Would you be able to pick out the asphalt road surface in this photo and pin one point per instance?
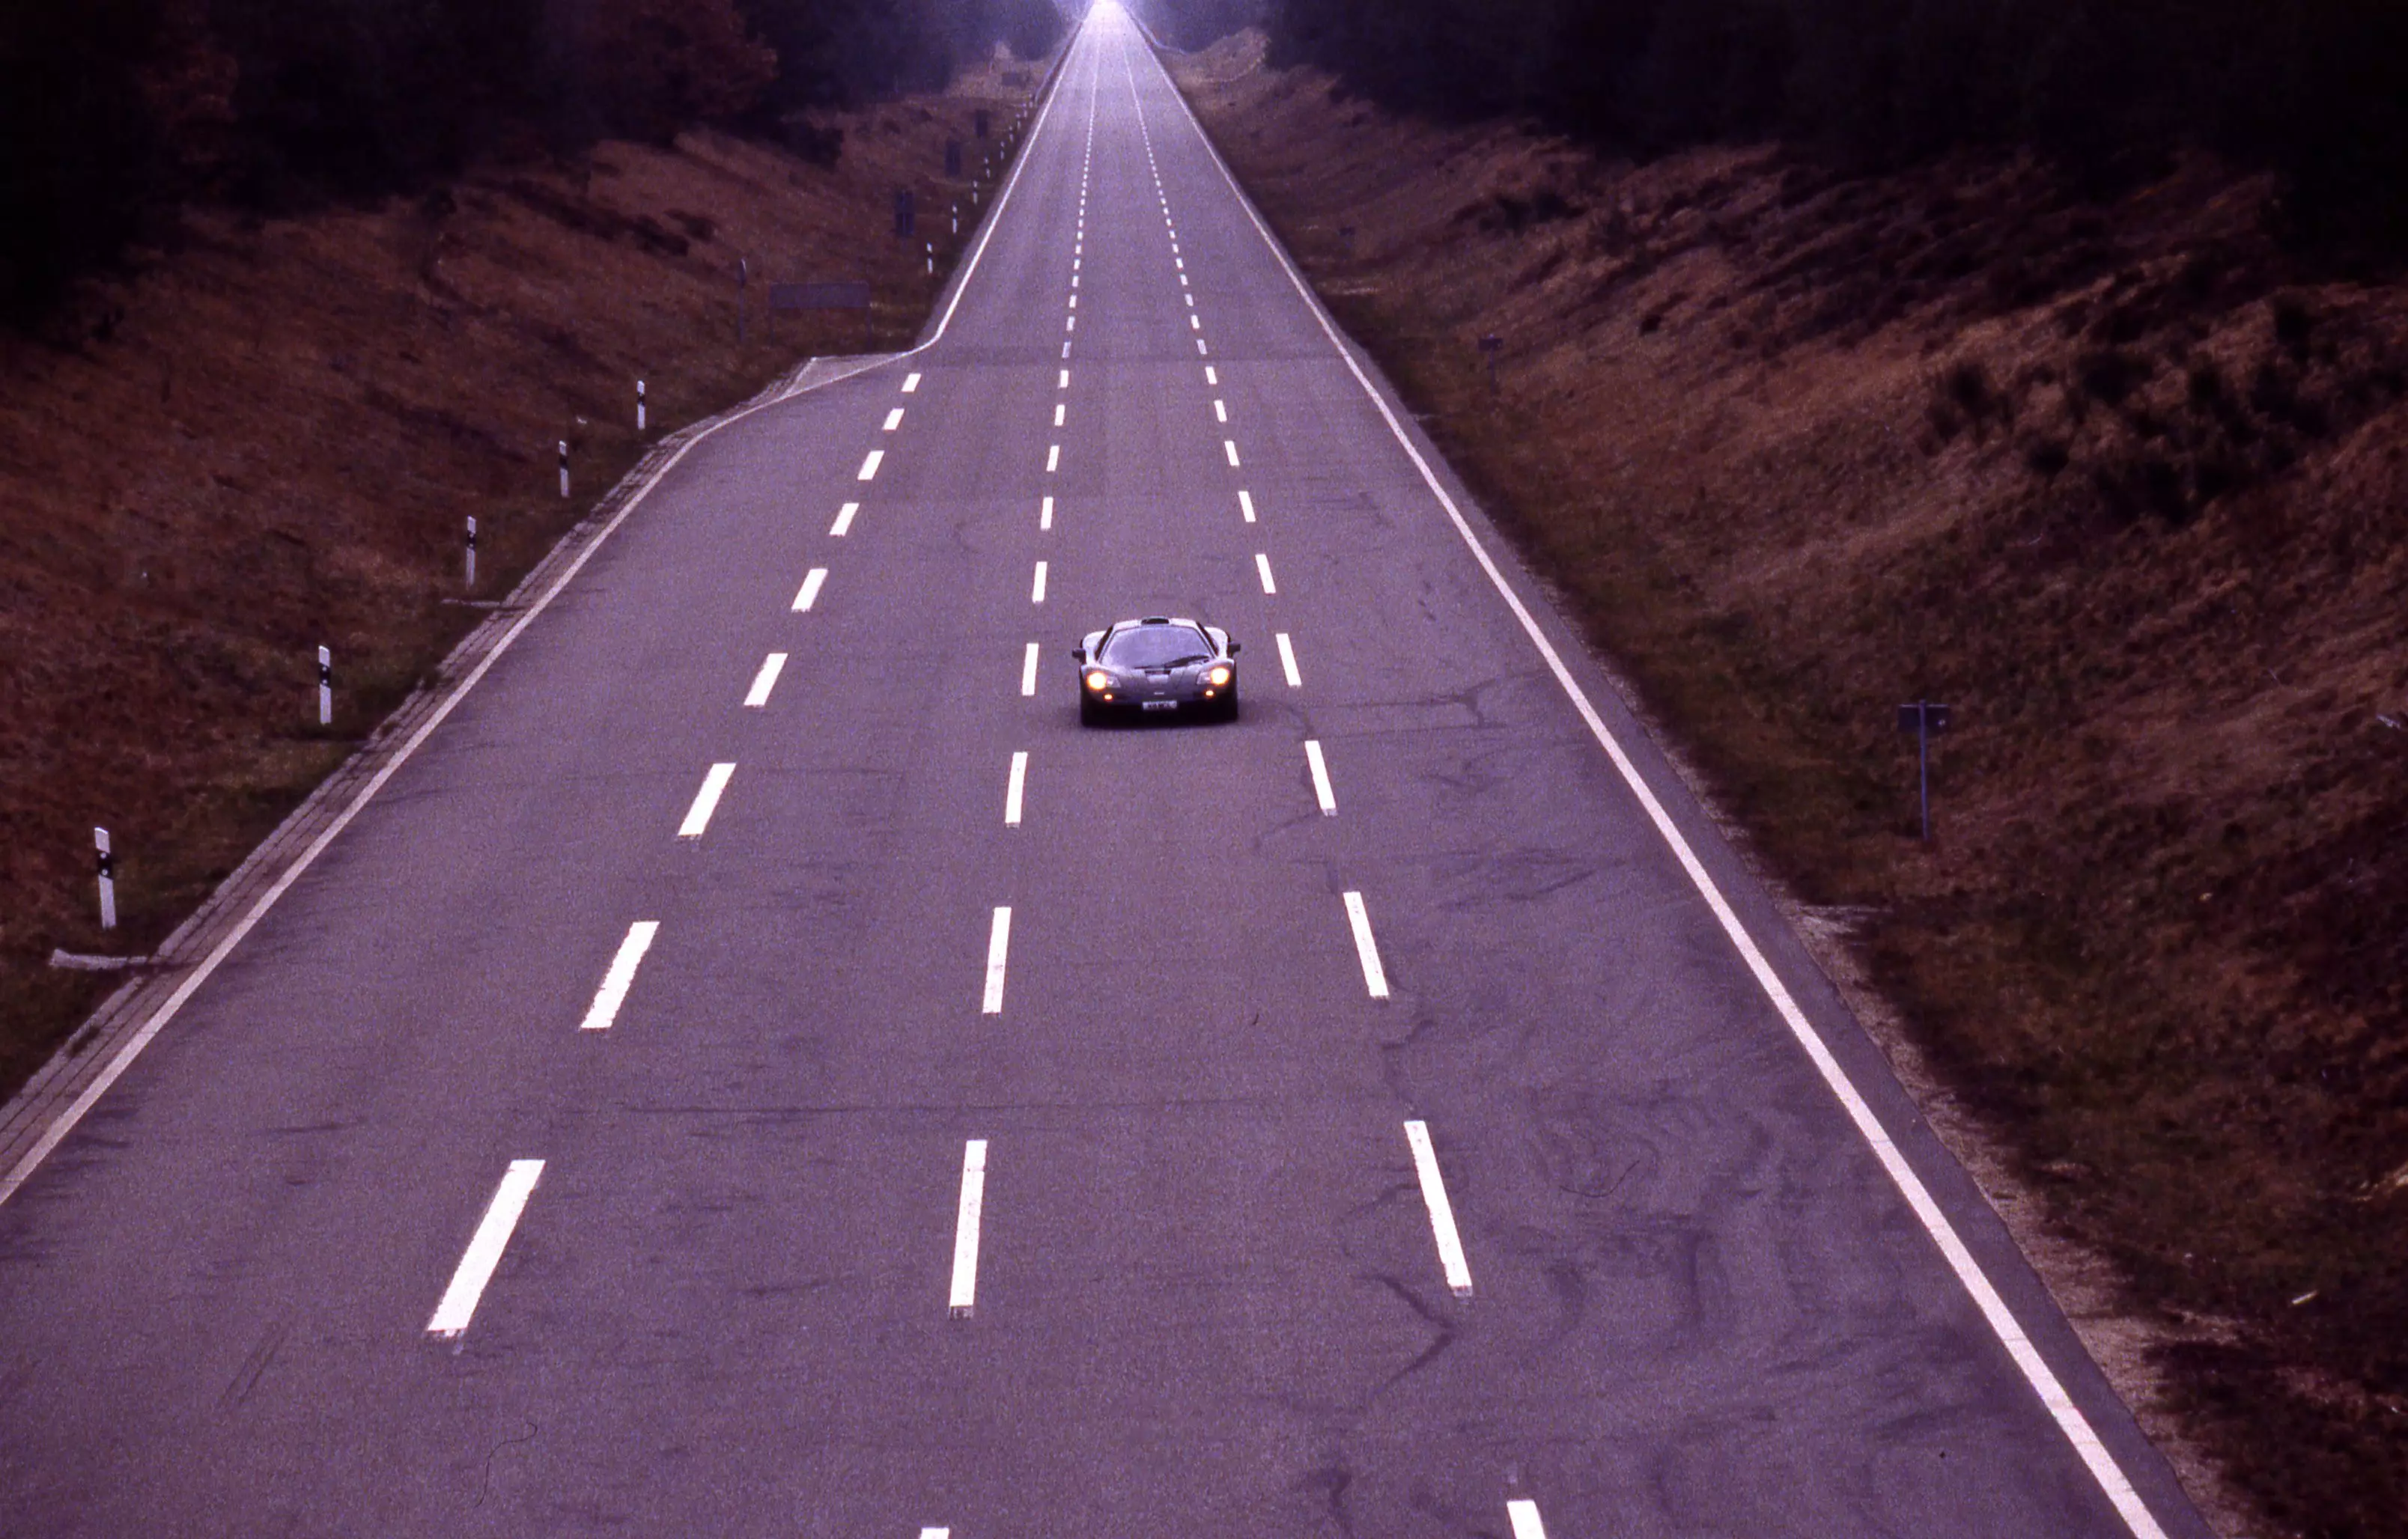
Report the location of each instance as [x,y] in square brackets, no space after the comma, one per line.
[761,1067]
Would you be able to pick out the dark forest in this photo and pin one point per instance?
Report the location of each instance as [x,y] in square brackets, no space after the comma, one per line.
[2315,90]
[115,112]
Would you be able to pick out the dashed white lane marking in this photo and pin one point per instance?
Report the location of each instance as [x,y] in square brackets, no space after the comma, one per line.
[706,801]
[843,519]
[1069,322]
[1220,411]
[1246,504]
[998,944]
[1194,325]
[1011,790]
[1037,585]
[1074,283]
[1321,791]
[894,421]
[1211,376]
[809,592]
[1045,514]
[1375,977]
[1180,262]
[1287,663]
[1442,1216]
[620,977]
[869,466]
[1060,410]
[1065,350]
[1229,447]
[911,384]
[964,1298]
[1190,299]
[766,679]
[1523,1514]
[1263,567]
[1074,302]
[935,1533]
[2070,1419]
[1066,380]
[1028,670]
[484,1252]
[1201,351]
[1053,458]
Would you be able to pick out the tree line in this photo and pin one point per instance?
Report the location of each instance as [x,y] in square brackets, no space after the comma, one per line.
[2315,89]
[115,112]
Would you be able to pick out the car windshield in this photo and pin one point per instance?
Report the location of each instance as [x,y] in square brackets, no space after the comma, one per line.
[1156,647]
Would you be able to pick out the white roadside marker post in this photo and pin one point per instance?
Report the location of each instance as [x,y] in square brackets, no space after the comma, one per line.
[563,469]
[639,406]
[472,551]
[325,688]
[108,878]
[932,259]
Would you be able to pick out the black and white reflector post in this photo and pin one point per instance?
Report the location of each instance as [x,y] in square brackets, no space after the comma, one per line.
[563,469]
[472,550]
[325,688]
[108,878]
[639,406]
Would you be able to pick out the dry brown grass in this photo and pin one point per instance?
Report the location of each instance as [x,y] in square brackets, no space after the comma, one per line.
[2125,489]
[268,439]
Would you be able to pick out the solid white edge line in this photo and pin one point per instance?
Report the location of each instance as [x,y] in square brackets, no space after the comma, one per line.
[843,519]
[1037,585]
[2112,1482]
[963,1298]
[66,1121]
[705,802]
[1011,790]
[869,466]
[809,593]
[1442,1212]
[484,1252]
[1359,919]
[766,679]
[998,948]
[1321,791]
[1263,566]
[1246,504]
[620,977]
[1287,661]
[1523,1514]
[1028,670]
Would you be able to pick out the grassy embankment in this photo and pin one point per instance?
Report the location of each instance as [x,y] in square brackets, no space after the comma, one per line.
[2123,483]
[268,439]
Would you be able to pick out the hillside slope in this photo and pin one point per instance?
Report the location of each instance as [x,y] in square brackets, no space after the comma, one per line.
[2120,483]
[269,439]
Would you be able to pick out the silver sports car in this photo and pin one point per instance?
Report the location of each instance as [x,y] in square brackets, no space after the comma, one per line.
[1157,665]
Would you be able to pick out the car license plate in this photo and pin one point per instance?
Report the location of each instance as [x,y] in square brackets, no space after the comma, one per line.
[1161,704]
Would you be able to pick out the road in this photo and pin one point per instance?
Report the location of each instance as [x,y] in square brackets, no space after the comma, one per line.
[841,1096]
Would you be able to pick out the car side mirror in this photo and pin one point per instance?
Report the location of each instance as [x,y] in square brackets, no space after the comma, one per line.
[1235,649]
[1077,654]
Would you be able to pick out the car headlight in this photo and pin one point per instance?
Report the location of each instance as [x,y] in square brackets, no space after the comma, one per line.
[1098,681]
[1218,677]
